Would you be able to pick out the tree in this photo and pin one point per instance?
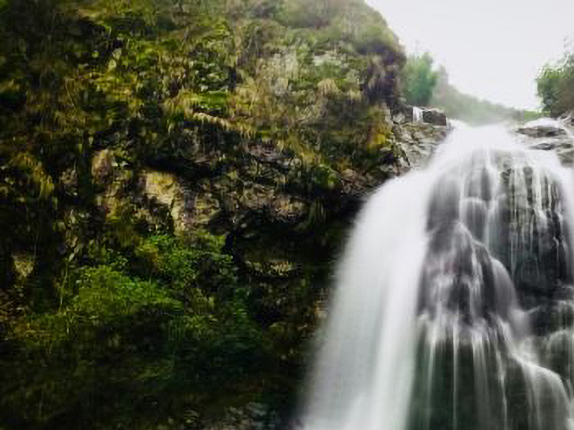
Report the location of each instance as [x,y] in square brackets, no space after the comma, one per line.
[419,79]
[555,87]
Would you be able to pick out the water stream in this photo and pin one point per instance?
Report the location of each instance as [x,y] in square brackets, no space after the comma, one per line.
[454,306]
[417,114]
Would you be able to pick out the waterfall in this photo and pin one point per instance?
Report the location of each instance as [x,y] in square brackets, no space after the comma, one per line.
[417,114]
[454,304]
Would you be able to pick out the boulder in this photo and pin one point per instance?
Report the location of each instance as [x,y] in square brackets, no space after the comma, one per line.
[166,189]
[544,127]
[435,117]
[547,134]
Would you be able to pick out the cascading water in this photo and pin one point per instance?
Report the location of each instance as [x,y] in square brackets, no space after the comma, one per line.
[417,114]
[455,307]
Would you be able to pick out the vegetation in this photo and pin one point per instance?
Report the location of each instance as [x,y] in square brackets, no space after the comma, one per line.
[176,177]
[425,84]
[471,109]
[419,79]
[555,84]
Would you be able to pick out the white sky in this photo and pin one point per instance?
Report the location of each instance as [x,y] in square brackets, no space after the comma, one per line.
[492,49]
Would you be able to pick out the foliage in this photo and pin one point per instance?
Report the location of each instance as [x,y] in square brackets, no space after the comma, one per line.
[419,79]
[176,178]
[425,85]
[471,109]
[121,346]
[555,87]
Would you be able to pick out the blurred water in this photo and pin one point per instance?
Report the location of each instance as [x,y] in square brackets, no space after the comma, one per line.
[454,304]
[417,114]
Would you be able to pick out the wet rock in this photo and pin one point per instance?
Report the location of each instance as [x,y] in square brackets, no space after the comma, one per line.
[112,177]
[435,117]
[538,129]
[165,189]
[549,135]
[563,146]
[418,141]
[414,114]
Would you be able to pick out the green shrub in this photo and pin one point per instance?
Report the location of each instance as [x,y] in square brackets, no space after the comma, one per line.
[554,84]
[419,80]
[123,344]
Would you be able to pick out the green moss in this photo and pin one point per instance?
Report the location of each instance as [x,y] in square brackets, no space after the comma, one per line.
[156,303]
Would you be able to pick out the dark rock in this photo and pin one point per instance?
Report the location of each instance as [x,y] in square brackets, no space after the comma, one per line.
[549,135]
[434,116]
[539,128]
[428,115]
[563,146]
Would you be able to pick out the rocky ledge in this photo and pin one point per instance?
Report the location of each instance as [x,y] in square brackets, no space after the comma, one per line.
[547,134]
[418,131]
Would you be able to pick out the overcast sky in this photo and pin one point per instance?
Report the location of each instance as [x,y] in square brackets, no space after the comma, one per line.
[491,48]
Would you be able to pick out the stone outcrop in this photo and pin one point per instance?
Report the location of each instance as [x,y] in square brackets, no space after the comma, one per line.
[417,141]
[435,117]
[419,115]
[166,189]
[549,135]
[538,129]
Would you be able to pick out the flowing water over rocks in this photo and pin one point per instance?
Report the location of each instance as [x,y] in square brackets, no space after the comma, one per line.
[455,305]
[549,135]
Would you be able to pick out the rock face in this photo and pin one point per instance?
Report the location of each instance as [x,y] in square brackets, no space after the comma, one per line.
[542,128]
[166,189]
[424,115]
[417,141]
[549,135]
[434,116]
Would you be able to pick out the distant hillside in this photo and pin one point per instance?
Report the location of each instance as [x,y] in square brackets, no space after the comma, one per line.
[458,105]
[423,84]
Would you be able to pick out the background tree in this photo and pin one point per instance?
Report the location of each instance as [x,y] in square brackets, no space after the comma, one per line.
[419,79]
[471,109]
[555,85]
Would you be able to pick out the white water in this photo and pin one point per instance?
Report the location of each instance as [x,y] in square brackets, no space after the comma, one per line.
[417,114]
[454,306]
